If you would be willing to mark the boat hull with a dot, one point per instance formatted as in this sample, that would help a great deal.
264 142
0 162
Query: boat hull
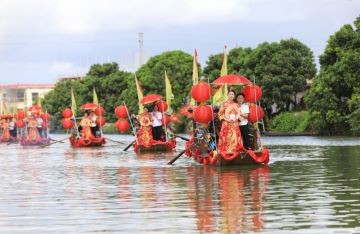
214 158
37 142
92 142
157 146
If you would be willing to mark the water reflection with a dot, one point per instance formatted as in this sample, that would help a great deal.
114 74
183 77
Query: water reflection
309 189
228 200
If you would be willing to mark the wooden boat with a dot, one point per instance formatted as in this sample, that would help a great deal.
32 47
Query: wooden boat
199 150
155 146
91 142
36 142
10 139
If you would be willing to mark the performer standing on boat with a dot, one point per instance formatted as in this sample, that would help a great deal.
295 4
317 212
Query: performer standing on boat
85 124
12 128
33 132
93 126
244 123
156 124
145 133
230 137
39 122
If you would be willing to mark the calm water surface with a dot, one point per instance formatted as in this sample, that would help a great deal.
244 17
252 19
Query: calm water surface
310 186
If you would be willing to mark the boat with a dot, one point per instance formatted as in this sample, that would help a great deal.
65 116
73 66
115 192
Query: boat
10 139
82 142
88 132
200 150
155 146
36 142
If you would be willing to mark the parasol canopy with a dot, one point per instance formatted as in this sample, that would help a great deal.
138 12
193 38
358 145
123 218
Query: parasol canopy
232 80
88 106
150 99
34 108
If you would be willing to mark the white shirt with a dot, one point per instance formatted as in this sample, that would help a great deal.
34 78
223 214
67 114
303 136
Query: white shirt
93 121
39 122
244 108
11 125
156 116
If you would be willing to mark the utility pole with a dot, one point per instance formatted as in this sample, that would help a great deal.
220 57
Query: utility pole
141 47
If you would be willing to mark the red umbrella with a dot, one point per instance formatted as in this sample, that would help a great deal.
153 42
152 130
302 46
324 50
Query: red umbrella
150 99
88 106
232 80
35 108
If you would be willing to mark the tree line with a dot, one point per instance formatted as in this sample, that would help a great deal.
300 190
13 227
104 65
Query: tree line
283 69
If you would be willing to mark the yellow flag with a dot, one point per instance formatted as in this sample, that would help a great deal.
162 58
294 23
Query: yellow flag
195 75
168 92
95 97
221 94
5 109
139 93
73 102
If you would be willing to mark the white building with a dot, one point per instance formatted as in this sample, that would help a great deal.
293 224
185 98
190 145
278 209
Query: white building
15 96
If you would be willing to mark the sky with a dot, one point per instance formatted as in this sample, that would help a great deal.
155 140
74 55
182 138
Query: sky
44 40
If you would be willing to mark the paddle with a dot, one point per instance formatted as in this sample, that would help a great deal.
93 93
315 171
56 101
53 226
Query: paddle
127 147
56 140
43 146
176 157
119 142
183 138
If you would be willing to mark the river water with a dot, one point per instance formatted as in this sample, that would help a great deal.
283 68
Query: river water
310 186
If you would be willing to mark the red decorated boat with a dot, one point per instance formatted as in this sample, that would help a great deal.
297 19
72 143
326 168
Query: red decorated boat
35 142
235 137
155 146
91 142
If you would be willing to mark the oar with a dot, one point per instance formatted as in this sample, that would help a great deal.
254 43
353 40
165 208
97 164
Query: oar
183 138
176 157
43 146
127 147
114 140
56 140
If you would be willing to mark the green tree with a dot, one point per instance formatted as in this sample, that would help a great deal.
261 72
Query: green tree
178 65
282 70
333 96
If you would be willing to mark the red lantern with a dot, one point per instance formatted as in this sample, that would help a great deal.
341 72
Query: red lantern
67 113
20 123
45 117
20 115
162 106
67 123
100 121
203 114
165 120
99 111
253 93
122 125
256 113
121 111
201 92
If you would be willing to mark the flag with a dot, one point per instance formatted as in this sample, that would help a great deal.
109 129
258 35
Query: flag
221 94
95 97
73 102
195 75
168 91
139 93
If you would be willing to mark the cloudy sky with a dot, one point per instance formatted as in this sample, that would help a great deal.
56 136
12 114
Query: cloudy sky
42 40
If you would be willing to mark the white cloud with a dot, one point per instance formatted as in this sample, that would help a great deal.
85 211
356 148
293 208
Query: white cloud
92 16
